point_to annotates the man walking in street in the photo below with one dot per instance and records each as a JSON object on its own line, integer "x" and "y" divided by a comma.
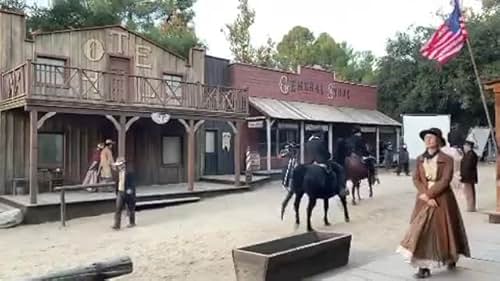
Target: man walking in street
{"x": 403, "y": 161}
{"x": 125, "y": 195}
{"x": 468, "y": 175}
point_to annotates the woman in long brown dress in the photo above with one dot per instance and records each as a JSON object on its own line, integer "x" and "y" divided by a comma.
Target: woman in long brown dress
{"x": 436, "y": 236}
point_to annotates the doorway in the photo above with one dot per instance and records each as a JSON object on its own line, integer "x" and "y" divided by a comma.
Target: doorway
{"x": 210, "y": 152}
{"x": 120, "y": 68}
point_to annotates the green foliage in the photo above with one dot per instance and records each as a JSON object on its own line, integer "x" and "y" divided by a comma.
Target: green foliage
{"x": 13, "y": 5}
{"x": 238, "y": 34}
{"x": 163, "y": 21}
{"x": 296, "y": 48}
{"x": 409, "y": 83}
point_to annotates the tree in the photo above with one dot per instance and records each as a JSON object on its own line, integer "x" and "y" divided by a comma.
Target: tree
{"x": 409, "y": 83}
{"x": 13, "y": 5}
{"x": 238, "y": 34}
{"x": 166, "y": 22}
{"x": 296, "y": 48}
{"x": 265, "y": 55}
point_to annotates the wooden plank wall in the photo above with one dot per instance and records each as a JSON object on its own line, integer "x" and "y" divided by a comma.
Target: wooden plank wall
{"x": 12, "y": 40}
{"x": 82, "y": 133}
{"x": 71, "y": 45}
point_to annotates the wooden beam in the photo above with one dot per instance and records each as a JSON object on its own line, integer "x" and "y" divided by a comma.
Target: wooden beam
{"x": 302, "y": 141}
{"x": 113, "y": 120}
{"x": 269, "y": 123}
{"x": 330, "y": 138}
{"x": 191, "y": 155}
{"x": 130, "y": 122}
{"x": 377, "y": 145}
{"x": 237, "y": 153}
{"x": 44, "y": 118}
{"x": 33, "y": 170}
{"x": 185, "y": 124}
{"x": 122, "y": 136}
{"x": 198, "y": 125}
{"x": 233, "y": 127}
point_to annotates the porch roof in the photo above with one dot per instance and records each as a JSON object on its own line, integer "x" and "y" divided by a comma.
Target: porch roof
{"x": 280, "y": 109}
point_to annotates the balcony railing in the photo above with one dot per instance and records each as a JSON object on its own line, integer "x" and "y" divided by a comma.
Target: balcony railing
{"x": 43, "y": 81}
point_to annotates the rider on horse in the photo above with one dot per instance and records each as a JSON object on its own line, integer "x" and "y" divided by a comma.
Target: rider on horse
{"x": 318, "y": 154}
{"x": 358, "y": 146}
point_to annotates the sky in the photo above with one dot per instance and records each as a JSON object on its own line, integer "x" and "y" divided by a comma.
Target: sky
{"x": 363, "y": 24}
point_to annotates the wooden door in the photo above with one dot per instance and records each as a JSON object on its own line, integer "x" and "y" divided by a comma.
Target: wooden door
{"x": 210, "y": 152}
{"x": 118, "y": 79}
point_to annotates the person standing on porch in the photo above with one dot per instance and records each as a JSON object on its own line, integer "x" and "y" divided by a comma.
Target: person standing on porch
{"x": 436, "y": 235}
{"x": 92, "y": 175}
{"x": 125, "y": 194}
{"x": 468, "y": 175}
{"x": 106, "y": 162}
{"x": 403, "y": 161}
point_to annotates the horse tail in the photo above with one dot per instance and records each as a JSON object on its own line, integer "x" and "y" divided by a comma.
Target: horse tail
{"x": 285, "y": 203}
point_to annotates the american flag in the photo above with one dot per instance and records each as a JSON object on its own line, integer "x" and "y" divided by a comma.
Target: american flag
{"x": 448, "y": 40}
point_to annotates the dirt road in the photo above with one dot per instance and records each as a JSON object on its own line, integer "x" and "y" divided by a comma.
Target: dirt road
{"x": 194, "y": 242}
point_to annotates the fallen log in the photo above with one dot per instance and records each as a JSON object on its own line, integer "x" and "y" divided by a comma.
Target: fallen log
{"x": 95, "y": 272}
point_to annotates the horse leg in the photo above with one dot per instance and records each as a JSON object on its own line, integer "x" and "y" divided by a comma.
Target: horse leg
{"x": 370, "y": 185}
{"x": 285, "y": 202}
{"x": 310, "y": 207}
{"x": 325, "y": 206}
{"x": 296, "y": 206}
{"x": 353, "y": 188}
{"x": 343, "y": 199}
{"x": 358, "y": 187}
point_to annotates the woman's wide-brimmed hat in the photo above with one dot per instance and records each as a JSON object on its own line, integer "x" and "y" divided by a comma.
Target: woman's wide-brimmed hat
{"x": 434, "y": 131}
{"x": 100, "y": 145}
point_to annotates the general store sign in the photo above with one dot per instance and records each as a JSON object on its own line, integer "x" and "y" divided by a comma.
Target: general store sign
{"x": 329, "y": 90}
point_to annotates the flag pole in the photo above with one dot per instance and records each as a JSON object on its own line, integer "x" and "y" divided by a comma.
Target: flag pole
{"x": 481, "y": 91}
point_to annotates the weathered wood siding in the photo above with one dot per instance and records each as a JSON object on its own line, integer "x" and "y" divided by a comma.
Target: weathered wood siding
{"x": 92, "y": 48}
{"x": 12, "y": 40}
{"x": 82, "y": 133}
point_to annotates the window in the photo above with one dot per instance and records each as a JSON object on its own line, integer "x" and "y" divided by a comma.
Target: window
{"x": 51, "y": 150}
{"x": 173, "y": 85}
{"x": 209, "y": 141}
{"x": 172, "y": 150}
{"x": 50, "y": 71}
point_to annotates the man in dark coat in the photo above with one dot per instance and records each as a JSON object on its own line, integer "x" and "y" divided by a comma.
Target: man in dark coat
{"x": 468, "y": 175}
{"x": 317, "y": 153}
{"x": 125, "y": 194}
{"x": 403, "y": 161}
{"x": 358, "y": 146}
{"x": 356, "y": 143}
{"x": 316, "y": 150}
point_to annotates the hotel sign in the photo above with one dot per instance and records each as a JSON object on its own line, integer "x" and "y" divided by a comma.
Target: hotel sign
{"x": 331, "y": 90}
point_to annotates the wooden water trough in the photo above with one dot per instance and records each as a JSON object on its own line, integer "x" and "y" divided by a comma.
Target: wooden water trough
{"x": 292, "y": 258}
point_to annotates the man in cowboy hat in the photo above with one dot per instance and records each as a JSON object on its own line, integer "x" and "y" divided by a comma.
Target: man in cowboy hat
{"x": 125, "y": 194}
{"x": 468, "y": 174}
{"x": 357, "y": 145}
{"x": 106, "y": 161}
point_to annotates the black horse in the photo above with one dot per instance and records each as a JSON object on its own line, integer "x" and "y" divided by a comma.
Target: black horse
{"x": 314, "y": 181}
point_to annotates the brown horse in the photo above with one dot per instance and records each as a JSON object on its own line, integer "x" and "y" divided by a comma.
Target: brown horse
{"x": 355, "y": 169}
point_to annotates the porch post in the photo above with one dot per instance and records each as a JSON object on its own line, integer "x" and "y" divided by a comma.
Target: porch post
{"x": 398, "y": 138}
{"x": 377, "y": 144}
{"x": 122, "y": 132}
{"x": 330, "y": 138}
{"x": 191, "y": 156}
{"x": 191, "y": 128}
{"x": 268, "y": 141}
{"x": 33, "y": 168}
{"x": 302, "y": 142}
{"x": 237, "y": 153}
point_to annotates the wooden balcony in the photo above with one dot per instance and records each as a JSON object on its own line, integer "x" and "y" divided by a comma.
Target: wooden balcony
{"x": 71, "y": 87}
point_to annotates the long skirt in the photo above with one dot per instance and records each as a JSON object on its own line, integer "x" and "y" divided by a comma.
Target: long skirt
{"x": 435, "y": 238}
{"x": 91, "y": 177}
